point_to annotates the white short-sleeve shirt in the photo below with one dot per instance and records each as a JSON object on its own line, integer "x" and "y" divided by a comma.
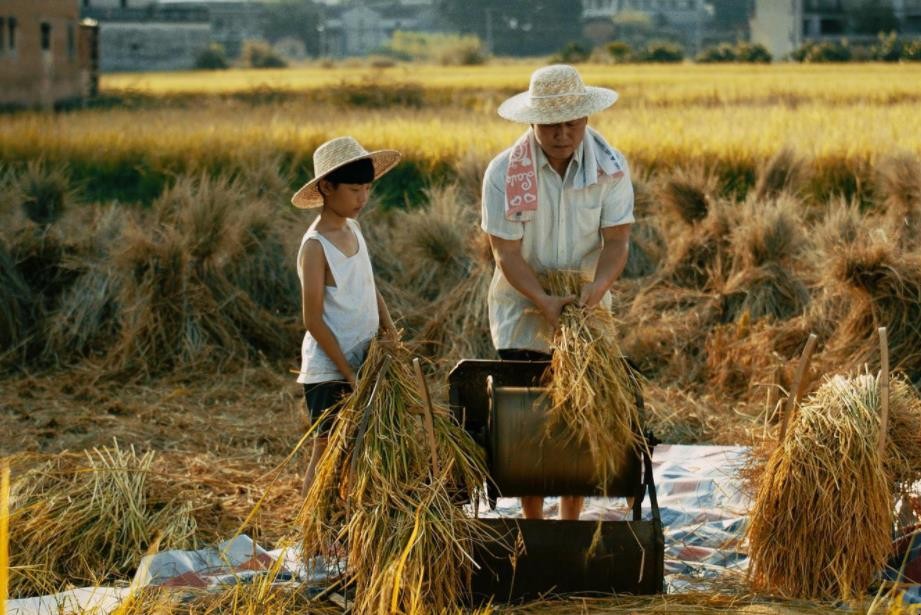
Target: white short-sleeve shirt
{"x": 565, "y": 233}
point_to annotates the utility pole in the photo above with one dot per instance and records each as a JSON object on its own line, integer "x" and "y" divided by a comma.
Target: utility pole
{"x": 489, "y": 29}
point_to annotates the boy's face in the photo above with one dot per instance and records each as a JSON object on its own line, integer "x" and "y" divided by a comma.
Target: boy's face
{"x": 346, "y": 200}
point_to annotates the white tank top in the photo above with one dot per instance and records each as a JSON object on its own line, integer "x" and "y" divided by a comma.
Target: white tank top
{"x": 349, "y": 308}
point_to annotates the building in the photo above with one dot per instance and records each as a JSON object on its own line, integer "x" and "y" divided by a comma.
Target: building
{"x": 360, "y": 29}
{"x": 47, "y": 57}
{"x": 785, "y": 25}
{"x": 164, "y": 35}
{"x": 686, "y": 19}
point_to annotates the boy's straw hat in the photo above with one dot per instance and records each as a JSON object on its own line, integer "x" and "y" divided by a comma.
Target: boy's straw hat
{"x": 557, "y": 94}
{"x": 337, "y": 153}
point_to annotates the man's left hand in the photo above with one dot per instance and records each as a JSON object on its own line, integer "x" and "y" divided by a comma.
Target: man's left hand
{"x": 591, "y": 295}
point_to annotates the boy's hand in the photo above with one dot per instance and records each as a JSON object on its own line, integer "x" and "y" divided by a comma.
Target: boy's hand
{"x": 551, "y": 306}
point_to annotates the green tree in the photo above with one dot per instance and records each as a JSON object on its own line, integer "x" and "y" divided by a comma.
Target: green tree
{"x": 295, "y": 18}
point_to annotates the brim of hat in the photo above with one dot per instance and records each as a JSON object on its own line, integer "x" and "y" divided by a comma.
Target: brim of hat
{"x": 309, "y": 195}
{"x": 518, "y": 108}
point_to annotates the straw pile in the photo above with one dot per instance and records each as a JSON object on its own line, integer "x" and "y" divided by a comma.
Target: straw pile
{"x": 821, "y": 520}
{"x": 900, "y": 194}
{"x": 88, "y": 518}
{"x": 15, "y": 301}
{"x": 590, "y": 386}
{"x": 377, "y": 500}
{"x": 881, "y": 287}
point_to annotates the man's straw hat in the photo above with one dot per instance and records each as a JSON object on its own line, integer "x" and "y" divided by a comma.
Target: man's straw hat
{"x": 557, "y": 94}
{"x": 338, "y": 153}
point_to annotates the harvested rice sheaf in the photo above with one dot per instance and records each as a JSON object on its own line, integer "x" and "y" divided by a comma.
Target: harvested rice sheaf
{"x": 87, "y": 519}
{"x": 377, "y": 501}
{"x": 591, "y": 388}
{"x": 822, "y": 517}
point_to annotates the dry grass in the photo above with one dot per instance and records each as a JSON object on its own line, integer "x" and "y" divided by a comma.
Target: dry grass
{"x": 378, "y": 502}
{"x": 822, "y": 517}
{"x": 591, "y": 388}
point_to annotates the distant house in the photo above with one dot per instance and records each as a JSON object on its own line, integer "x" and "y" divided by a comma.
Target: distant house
{"x": 46, "y": 55}
{"x": 688, "y": 18}
{"x": 148, "y": 35}
{"x": 362, "y": 29}
{"x": 785, "y": 25}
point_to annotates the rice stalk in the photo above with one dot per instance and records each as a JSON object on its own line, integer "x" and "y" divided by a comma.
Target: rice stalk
{"x": 822, "y": 515}
{"x": 88, "y": 518}
{"x": 376, "y": 503}
{"x": 590, "y": 387}
{"x": 900, "y": 192}
{"x": 784, "y": 172}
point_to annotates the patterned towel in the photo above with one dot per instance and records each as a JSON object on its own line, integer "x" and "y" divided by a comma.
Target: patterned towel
{"x": 600, "y": 164}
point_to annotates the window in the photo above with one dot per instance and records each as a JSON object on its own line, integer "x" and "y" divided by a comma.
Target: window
{"x": 2, "y": 35}
{"x": 71, "y": 42}
{"x": 46, "y": 36}
{"x": 11, "y": 29}
{"x": 123, "y": 4}
{"x": 86, "y": 3}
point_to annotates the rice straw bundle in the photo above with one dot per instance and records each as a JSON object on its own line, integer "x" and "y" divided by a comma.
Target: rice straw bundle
{"x": 377, "y": 500}
{"x": 590, "y": 386}
{"x": 822, "y": 516}
{"x": 900, "y": 189}
{"x": 882, "y": 287}
{"x": 769, "y": 291}
{"x": 88, "y": 518}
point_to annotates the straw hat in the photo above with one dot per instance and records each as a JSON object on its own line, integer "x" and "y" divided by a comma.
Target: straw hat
{"x": 338, "y": 153}
{"x": 557, "y": 94}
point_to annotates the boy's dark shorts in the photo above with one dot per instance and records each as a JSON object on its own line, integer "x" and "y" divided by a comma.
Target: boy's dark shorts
{"x": 320, "y": 396}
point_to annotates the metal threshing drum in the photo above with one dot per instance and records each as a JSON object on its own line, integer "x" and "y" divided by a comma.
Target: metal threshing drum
{"x": 526, "y": 458}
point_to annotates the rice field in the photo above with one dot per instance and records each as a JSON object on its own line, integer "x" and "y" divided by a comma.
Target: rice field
{"x": 148, "y": 297}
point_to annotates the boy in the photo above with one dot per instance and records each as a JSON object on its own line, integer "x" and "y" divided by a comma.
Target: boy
{"x": 342, "y": 309}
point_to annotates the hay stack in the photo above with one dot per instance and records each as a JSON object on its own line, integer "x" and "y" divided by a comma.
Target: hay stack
{"x": 647, "y": 250}
{"x": 881, "y": 287}
{"x": 700, "y": 231}
{"x": 765, "y": 245}
{"x": 376, "y": 499}
{"x": 590, "y": 387}
{"x": 15, "y": 302}
{"x": 785, "y": 172}
{"x": 822, "y": 516}
{"x": 183, "y": 302}
{"x": 88, "y": 518}
{"x": 900, "y": 196}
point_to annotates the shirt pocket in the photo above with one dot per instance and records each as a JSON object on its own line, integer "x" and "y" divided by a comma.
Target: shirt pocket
{"x": 587, "y": 222}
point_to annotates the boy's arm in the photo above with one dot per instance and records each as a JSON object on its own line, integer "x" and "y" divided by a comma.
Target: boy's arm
{"x": 313, "y": 265}
{"x": 521, "y": 276}
{"x": 387, "y": 327}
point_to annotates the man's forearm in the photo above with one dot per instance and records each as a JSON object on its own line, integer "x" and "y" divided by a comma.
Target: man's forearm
{"x": 521, "y": 276}
{"x": 611, "y": 263}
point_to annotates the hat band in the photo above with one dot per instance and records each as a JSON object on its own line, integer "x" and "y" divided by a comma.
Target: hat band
{"x": 562, "y": 95}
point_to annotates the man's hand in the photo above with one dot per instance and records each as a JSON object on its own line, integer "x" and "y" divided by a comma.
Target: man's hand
{"x": 591, "y": 295}
{"x": 551, "y": 306}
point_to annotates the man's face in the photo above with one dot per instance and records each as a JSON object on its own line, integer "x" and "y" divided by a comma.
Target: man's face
{"x": 559, "y": 141}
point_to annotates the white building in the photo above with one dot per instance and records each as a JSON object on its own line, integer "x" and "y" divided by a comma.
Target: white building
{"x": 359, "y": 29}
{"x": 783, "y": 26}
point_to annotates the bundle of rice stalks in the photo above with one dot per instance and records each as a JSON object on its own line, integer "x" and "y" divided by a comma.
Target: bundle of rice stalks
{"x": 591, "y": 389}
{"x": 755, "y": 360}
{"x": 769, "y": 291}
{"x": 15, "y": 302}
{"x": 881, "y": 287}
{"x": 432, "y": 243}
{"x": 88, "y": 518}
{"x": 765, "y": 244}
{"x": 664, "y": 332}
{"x": 42, "y": 190}
{"x": 688, "y": 194}
{"x": 823, "y": 513}
{"x": 180, "y": 305}
{"x": 699, "y": 254}
{"x": 784, "y": 172}
{"x": 378, "y": 500}
{"x": 900, "y": 192}
{"x": 647, "y": 250}
{"x": 456, "y": 325}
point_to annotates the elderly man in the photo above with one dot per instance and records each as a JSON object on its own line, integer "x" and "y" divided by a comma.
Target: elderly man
{"x": 559, "y": 199}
